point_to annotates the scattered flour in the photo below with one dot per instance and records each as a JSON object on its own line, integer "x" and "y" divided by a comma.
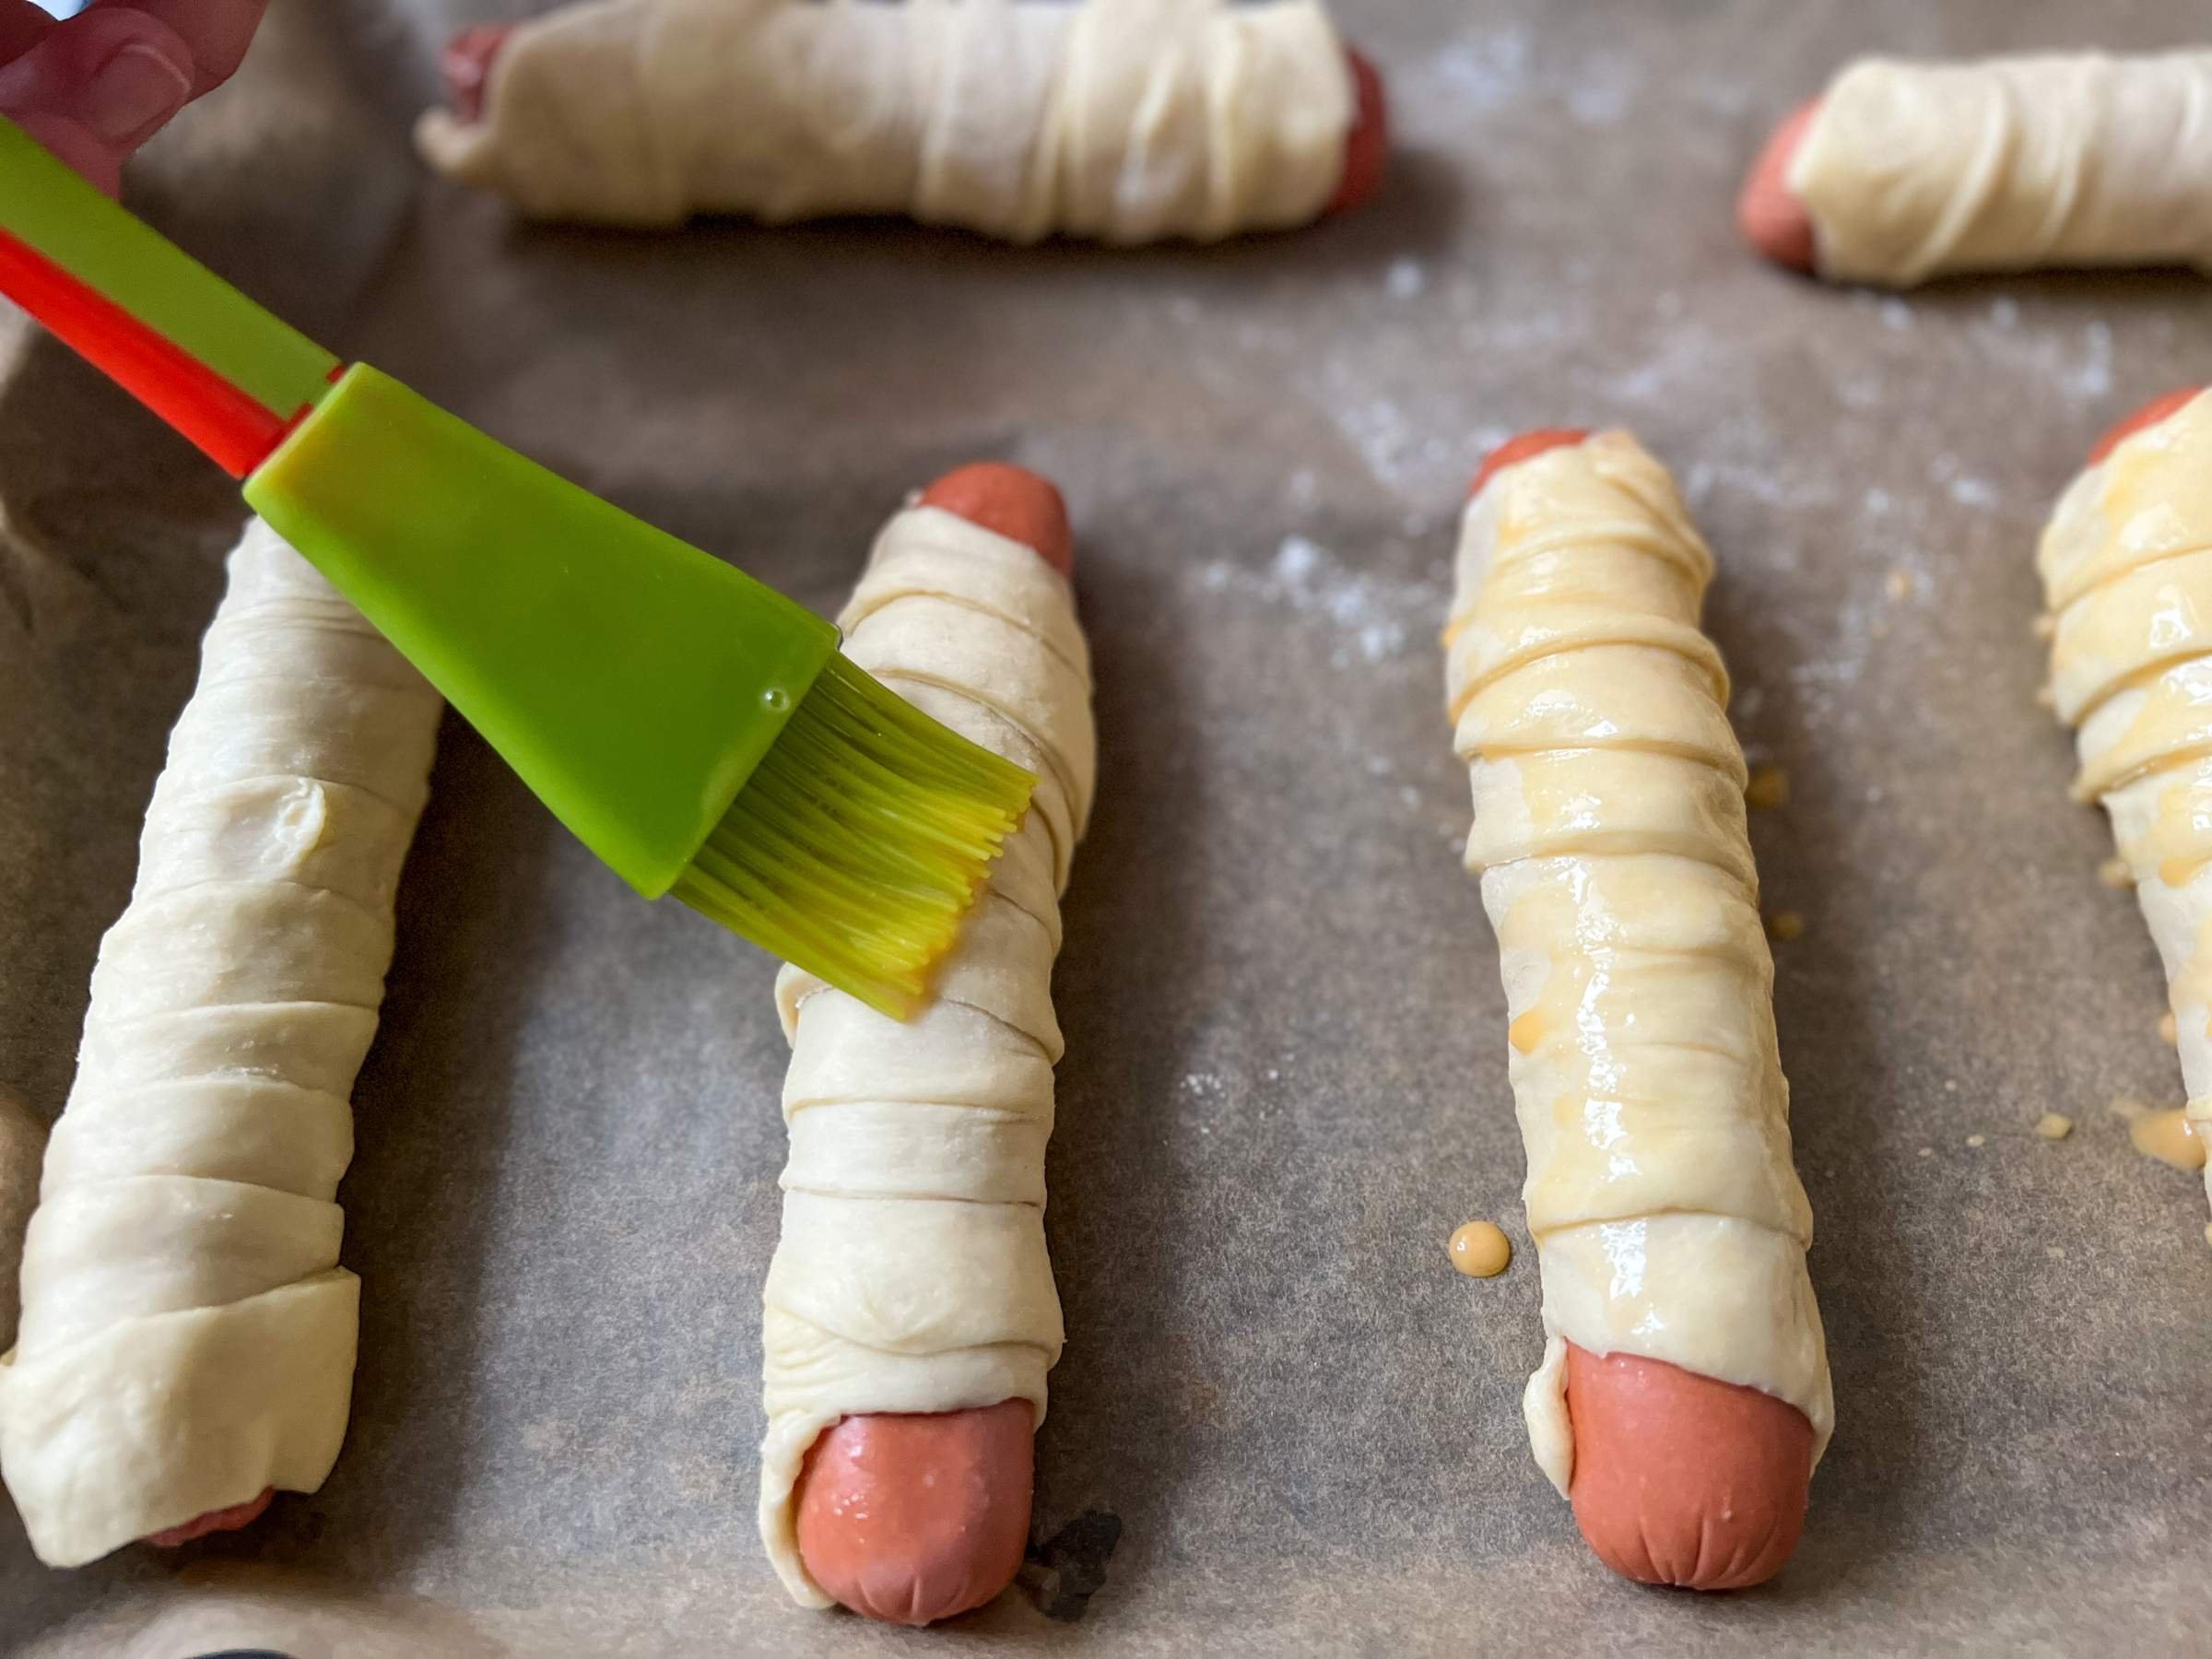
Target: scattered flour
{"x": 1487, "y": 72}
{"x": 1375, "y": 617}
{"x": 2094, "y": 377}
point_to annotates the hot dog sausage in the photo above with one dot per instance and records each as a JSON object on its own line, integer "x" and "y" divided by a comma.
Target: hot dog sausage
{"x": 466, "y": 62}
{"x": 914, "y": 1518}
{"x": 1678, "y": 1478}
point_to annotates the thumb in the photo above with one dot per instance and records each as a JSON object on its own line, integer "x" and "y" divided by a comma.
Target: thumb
{"x": 96, "y": 87}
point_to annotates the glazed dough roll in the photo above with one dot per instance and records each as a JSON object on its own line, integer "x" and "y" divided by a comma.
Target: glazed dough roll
{"x": 1913, "y": 170}
{"x": 1128, "y": 121}
{"x": 1609, "y": 837}
{"x": 2126, "y": 563}
{"x": 912, "y": 1274}
{"x": 187, "y": 1334}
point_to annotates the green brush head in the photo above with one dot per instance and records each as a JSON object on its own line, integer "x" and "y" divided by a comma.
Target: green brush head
{"x": 697, "y": 730}
{"x": 860, "y": 841}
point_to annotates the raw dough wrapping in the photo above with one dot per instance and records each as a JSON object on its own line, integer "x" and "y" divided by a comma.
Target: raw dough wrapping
{"x": 1915, "y": 171}
{"x": 2126, "y": 563}
{"x": 912, "y": 1274}
{"x": 1128, "y": 121}
{"x": 1609, "y": 836}
{"x": 187, "y": 1334}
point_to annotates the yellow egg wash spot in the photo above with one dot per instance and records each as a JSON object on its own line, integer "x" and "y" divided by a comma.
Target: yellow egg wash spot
{"x": 1769, "y": 789}
{"x": 1481, "y": 1249}
{"x": 2055, "y": 1125}
{"x": 2170, "y": 1029}
{"x": 2165, "y": 1135}
{"x": 1784, "y": 925}
{"x": 1525, "y": 1033}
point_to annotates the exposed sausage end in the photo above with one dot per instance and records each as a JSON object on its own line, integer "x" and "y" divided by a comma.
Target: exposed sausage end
{"x": 914, "y": 1518}
{"x": 1526, "y": 447}
{"x": 1367, "y": 144}
{"x": 214, "y": 1521}
{"x": 1772, "y": 215}
{"x": 465, "y": 65}
{"x": 1683, "y": 1480}
{"x": 1013, "y": 502}
{"x": 2149, "y": 414}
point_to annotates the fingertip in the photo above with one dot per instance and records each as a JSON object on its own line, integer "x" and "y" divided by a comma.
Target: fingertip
{"x": 1772, "y": 217}
{"x": 2149, "y": 414}
{"x": 1367, "y": 141}
{"x": 94, "y": 87}
{"x": 1683, "y": 1480}
{"x": 1011, "y": 501}
{"x": 909, "y": 1519}
{"x": 465, "y": 66}
{"x": 1527, "y": 446}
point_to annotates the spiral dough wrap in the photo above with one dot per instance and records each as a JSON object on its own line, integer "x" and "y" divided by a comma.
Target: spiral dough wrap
{"x": 1610, "y": 840}
{"x": 1128, "y": 121}
{"x": 912, "y": 1274}
{"x": 1915, "y": 170}
{"x": 2127, "y": 564}
{"x": 187, "y": 1337}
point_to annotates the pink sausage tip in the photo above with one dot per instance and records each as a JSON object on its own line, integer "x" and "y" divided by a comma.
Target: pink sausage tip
{"x": 1683, "y": 1480}
{"x": 913, "y": 1517}
{"x": 2149, "y": 414}
{"x": 1367, "y": 141}
{"x": 1771, "y": 215}
{"x": 1527, "y": 446}
{"x": 214, "y": 1521}
{"x": 466, "y": 66}
{"x": 1013, "y": 502}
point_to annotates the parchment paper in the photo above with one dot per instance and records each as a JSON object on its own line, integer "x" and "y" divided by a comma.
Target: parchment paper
{"x": 1285, "y": 1080}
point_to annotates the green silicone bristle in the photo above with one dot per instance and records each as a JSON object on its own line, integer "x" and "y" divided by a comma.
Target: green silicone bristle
{"x": 860, "y": 841}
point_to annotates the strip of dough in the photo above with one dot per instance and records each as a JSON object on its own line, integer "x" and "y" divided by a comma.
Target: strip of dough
{"x": 2126, "y": 563}
{"x": 187, "y": 1335}
{"x": 1609, "y": 837}
{"x": 1127, "y": 121}
{"x": 1915, "y": 171}
{"x": 912, "y": 1274}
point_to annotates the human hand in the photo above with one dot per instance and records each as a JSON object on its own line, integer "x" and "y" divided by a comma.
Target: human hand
{"x": 94, "y": 87}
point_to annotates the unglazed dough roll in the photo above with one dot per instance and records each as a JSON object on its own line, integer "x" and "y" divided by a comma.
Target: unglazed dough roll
{"x": 912, "y": 1275}
{"x": 187, "y": 1335}
{"x": 2127, "y": 564}
{"x": 1127, "y": 121}
{"x": 1609, "y": 837}
{"x": 1915, "y": 170}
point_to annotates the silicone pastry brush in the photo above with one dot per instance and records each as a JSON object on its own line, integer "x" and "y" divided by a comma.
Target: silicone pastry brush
{"x": 697, "y": 730}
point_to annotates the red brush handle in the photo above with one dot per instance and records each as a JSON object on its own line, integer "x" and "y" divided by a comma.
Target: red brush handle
{"x": 236, "y": 432}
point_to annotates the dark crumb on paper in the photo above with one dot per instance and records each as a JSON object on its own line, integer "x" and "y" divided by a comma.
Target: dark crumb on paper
{"x": 1064, "y": 1572}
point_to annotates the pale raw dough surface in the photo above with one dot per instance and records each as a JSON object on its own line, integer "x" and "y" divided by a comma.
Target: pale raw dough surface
{"x": 2126, "y": 563}
{"x": 187, "y": 1335}
{"x": 912, "y": 1274}
{"x": 1128, "y": 121}
{"x": 1916, "y": 171}
{"x": 1609, "y": 836}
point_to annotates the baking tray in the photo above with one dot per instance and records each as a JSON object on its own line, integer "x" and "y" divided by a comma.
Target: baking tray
{"x": 1282, "y": 1423}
